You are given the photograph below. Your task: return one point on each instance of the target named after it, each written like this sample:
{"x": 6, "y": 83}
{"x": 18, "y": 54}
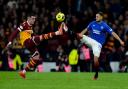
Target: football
{"x": 60, "y": 17}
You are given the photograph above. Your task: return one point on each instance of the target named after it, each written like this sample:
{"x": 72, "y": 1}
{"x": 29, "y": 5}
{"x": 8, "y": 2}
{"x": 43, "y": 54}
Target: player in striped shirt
{"x": 31, "y": 42}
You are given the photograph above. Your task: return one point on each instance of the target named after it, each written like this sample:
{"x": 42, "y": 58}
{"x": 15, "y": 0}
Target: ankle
{"x": 24, "y": 71}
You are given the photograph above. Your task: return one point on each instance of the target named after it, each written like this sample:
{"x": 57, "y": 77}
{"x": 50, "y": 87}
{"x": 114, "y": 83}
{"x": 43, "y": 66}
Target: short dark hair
{"x": 31, "y": 14}
{"x": 101, "y": 13}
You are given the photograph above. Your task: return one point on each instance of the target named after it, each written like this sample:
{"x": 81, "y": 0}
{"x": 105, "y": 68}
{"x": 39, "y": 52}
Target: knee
{"x": 36, "y": 40}
{"x": 36, "y": 55}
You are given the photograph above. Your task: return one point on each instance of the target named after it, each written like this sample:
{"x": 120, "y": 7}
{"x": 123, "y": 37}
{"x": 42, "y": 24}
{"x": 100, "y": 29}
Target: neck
{"x": 29, "y": 23}
{"x": 99, "y": 21}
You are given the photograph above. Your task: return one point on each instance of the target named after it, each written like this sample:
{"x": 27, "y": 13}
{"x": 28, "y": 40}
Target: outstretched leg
{"x": 31, "y": 45}
{"x": 91, "y": 43}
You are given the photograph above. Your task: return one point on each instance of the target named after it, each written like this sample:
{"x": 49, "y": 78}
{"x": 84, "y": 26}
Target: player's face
{"x": 99, "y": 17}
{"x": 32, "y": 20}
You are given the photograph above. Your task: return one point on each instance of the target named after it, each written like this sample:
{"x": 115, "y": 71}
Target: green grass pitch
{"x": 56, "y": 80}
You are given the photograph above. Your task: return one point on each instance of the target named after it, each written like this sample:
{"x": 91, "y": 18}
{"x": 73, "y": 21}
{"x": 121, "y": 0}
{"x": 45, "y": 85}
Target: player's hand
{"x": 122, "y": 43}
{"x": 8, "y": 45}
{"x": 79, "y": 36}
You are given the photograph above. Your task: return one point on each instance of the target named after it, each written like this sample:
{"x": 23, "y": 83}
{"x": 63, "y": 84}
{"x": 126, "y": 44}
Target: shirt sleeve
{"x": 14, "y": 34}
{"x": 20, "y": 28}
{"x": 89, "y": 26}
{"x": 108, "y": 29}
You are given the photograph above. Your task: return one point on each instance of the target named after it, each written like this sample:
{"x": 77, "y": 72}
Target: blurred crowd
{"x": 78, "y": 14}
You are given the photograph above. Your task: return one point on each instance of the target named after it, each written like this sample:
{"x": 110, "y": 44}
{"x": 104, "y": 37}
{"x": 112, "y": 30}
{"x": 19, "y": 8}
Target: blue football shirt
{"x": 98, "y": 30}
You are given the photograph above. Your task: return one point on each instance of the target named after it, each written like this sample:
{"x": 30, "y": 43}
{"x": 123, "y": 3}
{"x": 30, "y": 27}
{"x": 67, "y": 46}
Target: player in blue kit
{"x": 97, "y": 36}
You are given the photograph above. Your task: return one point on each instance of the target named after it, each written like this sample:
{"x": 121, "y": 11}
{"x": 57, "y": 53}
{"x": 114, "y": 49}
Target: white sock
{"x": 24, "y": 71}
{"x": 65, "y": 28}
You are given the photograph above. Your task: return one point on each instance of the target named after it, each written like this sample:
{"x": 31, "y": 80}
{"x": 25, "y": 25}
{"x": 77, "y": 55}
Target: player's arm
{"x": 84, "y": 31}
{"x": 14, "y": 34}
{"x": 80, "y": 35}
{"x": 118, "y": 38}
{"x": 109, "y": 30}
{"x": 89, "y": 27}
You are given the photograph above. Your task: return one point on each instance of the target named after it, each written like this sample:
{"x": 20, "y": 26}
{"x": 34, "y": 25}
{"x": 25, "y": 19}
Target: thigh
{"x": 94, "y": 45}
{"x": 30, "y": 45}
{"x": 87, "y": 40}
{"x": 96, "y": 50}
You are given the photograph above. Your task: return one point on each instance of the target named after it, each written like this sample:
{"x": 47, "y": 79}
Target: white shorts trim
{"x": 96, "y": 46}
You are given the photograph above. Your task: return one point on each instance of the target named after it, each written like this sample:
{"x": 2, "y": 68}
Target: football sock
{"x": 96, "y": 73}
{"x": 24, "y": 71}
{"x": 72, "y": 34}
{"x": 96, "y": 70}
{"x": 31, "y": 64}
{"x": 47, "y": 36}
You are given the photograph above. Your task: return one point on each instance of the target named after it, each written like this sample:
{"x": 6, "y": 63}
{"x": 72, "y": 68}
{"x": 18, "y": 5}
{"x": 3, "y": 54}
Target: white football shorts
{"x": 93, "y": 44}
